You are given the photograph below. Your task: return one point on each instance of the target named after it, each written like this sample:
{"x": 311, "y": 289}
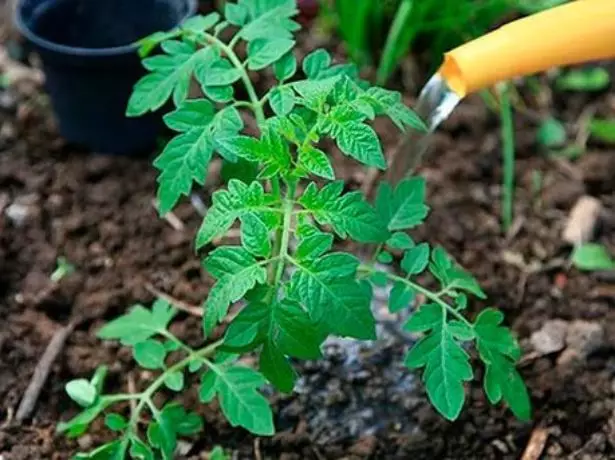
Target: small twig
{"x": 41, "y": 372}
{"x": 171, "y": 218}
{"x": 536, "y": 444}
{"x": 132, "y": 389}
{"x": 372, "y": 175}
{"x": 179, "y": 304}
{"x": 10, "y": 413}
{"x": 257, "y": 449}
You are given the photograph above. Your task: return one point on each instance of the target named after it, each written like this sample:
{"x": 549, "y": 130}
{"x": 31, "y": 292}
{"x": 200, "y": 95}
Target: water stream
{"x": 436, "y": 102}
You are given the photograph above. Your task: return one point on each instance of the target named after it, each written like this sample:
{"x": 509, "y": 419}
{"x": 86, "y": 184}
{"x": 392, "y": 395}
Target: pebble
{"x": 585, "y": 337}
{"x": 551, "y": 337}
{"x": 22, "y": 209}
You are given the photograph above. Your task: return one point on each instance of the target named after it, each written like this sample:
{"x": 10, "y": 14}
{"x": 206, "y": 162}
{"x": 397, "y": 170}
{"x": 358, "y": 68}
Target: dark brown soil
{"x": 357, "y": 403}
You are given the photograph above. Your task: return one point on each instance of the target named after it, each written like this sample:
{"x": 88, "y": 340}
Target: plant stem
{"x": 393, "y": 45}
{"x": 282, "y": 239}
{"x": 146, "y": 396}
{"x": 433, "y": 296}
{"x": 508, "y": 154}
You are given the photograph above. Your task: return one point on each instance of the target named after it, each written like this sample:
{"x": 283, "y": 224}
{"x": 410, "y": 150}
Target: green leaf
{"x": 115, "y": 422}
{"x": 237, "y": 272}
{"x": 240, "y": 401}
{"x": 400, "y": 241}
{"x": 389, "y": 103}
{"x": 403, "y": 207}
{"x": 161, "y": 435}
{"x": 218, "y": 454}
{"x": 285, "y": 67}
{"x": 348, "y": 214}
{"x": 315, "y": 92}
{"x": 79, "y": 424}
{"x": 115, "y": 450}
{"x": 282, "y": 100}
{"x": 197, "y": 113}
{"x": 361, "y": 142}
{"x": 294, "y": 332}
{"x": 150, "y": 354}
{"x": 502, "y": 381}
{"x": 379, "y": 279}
{"x": 416, "y": 259}
{"x": 316, "y": 162}
{"x": 446, "y": 364}
{"x": 170, "y": 75}
{"x": 207, "y": 390}
{"x": 239, "y": 200}
{"x": 249, "y": 327}
{"x": 82, "y": 392}
{"x": 461, "y": 330}
{"x": 428, "y": 316}
{"x": 255, "y": 236}
{"x": 184, "y": 160}
{"x": 498, "y": 349}
{"x": 98, "y": 379}
{"x": 138, "y": 324}
{"x": 270, "y": 18}
{"x": 384, "y": 257}
{"x": 182, "y": 422}
{"x": 236, "y": 14}
{"x": 271, "y": 150}
{"x": 139, "y": 450}
{"x": 603, "y": 130}
{"x": 314, "y": 246}
{"x": 315, "y": 62}
{"x": 221, "y": 94}
{"x": 264, "y": 52}
{"x": 493, "y": 337}
{"x": 328, "y": 292}
{"x": 401, "y": 297}
{"x": 591, "y": 79}
{"x": 592, "y": 256}
{"x": 200, "y": 23}
{"x": 174, "y": 381}
{"x": 552, "y": 134}
{"x": 452, "y": 277}
{"x": 276, "y": 368}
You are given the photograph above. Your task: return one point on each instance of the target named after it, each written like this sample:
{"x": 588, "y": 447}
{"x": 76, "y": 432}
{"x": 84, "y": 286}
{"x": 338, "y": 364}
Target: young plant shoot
{"x": 295, "y": 289}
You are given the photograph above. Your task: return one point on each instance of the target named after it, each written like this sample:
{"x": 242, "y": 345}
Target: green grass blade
{"x": 508, "y": 156}
{"x": 397, "y": 42}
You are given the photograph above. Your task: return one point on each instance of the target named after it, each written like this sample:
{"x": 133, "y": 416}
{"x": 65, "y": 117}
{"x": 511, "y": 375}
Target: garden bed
{"x": 359, "y": 402}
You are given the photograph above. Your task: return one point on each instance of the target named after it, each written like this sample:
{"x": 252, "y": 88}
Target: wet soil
{"x": 359, "y": 402}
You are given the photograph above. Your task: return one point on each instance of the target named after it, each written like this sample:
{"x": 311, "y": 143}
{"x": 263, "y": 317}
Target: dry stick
{"x": 536, "y": 444}
{"x": 179, "y": 304}
{"x": 41, "y": 372}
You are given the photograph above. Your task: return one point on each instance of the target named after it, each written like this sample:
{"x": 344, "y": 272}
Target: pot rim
{"x": 80, "y": 51}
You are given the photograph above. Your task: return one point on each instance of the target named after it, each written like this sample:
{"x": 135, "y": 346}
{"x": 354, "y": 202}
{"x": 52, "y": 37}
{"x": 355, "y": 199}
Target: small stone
{"x": 551, "y": 337}
{"x": 85, "y": 442}
{"x": 585, "y": 337}
{"x": 582, "y": 220}
{"x": 19, "y": 212}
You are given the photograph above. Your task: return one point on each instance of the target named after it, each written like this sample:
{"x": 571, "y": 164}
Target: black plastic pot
{"x": 91, "y": 64}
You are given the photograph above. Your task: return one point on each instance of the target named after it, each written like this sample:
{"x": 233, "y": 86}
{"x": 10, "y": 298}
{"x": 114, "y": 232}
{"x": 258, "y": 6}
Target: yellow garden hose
{"x": 573, "y": 33}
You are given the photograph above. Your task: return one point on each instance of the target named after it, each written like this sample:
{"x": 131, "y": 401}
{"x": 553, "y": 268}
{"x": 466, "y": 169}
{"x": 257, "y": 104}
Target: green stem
{"x": 433, "y": 296}
{"x": 508, "y": 153}
{"x": 146, "y": 396}
{"x": 283, "y": 236}
{"x": 390, "y": 55}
